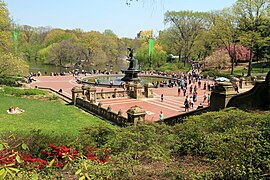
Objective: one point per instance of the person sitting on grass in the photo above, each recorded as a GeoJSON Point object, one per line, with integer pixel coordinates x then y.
{"type": "Point", "coordinates": [13, 110]}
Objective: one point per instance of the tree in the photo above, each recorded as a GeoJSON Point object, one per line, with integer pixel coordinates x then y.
{"type": "Point", "coordinates": [111, 46]}
{"type": "Point", "coordinates": [66, 53]}
{"type": "Point", "coordinates": [5, 40]}
{"type": "Point", "coordinates": [58, 35]}
{"type": "Point", "coordinates": [241, 52]}
{"type": "Point", "coordinates": [158, 58]}
{"type": "Point", "coordinates": [187, 25]}
{"type": "Point", "coordinates": [219, 59]}
{"type": "Point", "coordinates": [92, 41]}
{"type": "Point", "coordinates": [171, 42]}
{"type": "Point", "coordinates": [12, 66]}
{"type": "Point", "coordinates": [224, 29]}
{"type": "Point", "coordinates": [250, 14]}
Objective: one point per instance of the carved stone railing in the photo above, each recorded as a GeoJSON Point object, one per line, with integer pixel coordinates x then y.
{"type": "Point", "coordinates": [180, 118]}
{"type": "Point", "coordinates": [135, 115]}
{"type": "Point", "coordinates": [257, 97]}
{"type": "Point", "coordinates": [111, 94]}
{"type": "Point", "coordinates": [104, 113]}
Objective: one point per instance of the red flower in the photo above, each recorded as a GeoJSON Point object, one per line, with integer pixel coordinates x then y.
{"type": "Point", "coordinates": [65, 149]}
{"type": "Point", "coordinates": [58, 164]}
{"type": "Point", "coordinates": [106, 159]}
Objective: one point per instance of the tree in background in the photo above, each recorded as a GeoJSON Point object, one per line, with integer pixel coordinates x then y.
{"type": "Point", "coordinates": [159, 56]}
{"type": "Point", "coordinates": [219, 59]}
{"type": "Point", "coordinates": [31, 41]}
{"type": "Point", "coordinates": [5, 26]}
{"type": "Point", "coordinates": [111, 47]}
{"type": "Point", "coordinates": [171, 42]}
{"type": "Point", "coordinates": [12, 66]}
{"type": "Point", "coordinates": [251, 15]}
{"type": "Point", "coordinates": [241, 53]}
{"type": "Point", "coordinates": [66, 53]}
{"type": "Point", "coordinates": [225, 29]}
{"type": "Point", "coordinates": [187, 25]}
{"type": "Point", "coordinates": [9, 64]}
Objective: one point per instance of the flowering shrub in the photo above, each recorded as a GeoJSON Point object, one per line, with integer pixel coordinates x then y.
{"type": "Point", "coordinates": [11, 161]}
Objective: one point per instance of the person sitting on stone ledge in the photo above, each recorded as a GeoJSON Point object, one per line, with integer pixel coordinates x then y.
{"type": "Point", "coordinates": [200, 106]}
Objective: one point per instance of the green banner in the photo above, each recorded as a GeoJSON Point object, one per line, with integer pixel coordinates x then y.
{"type": "Point", "coordinates": [15, 35]}
{"type": "Point", "coordinates": [151, 46]}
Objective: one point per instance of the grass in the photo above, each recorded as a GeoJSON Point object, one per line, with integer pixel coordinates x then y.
{"type": "Point", "coordinates": [174, 67]}
{"type": "Point", "coordinates": [51, 117]}
{"type": "Point", "coordinates": [256, 69]}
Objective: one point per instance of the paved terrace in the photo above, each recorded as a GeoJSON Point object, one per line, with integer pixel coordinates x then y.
{"type": "Point", "coordinates": [172, 104]}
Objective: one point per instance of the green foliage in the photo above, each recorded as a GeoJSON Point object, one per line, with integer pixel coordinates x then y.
{"type": "Point", "coordinates": [96, 136]}
{"type": "Point", "coordinates": [174, 67]}
{"type": "Point", "coordinates": [10, 81]}
{"type": "Point", "coordinates": [11, 65]}
{"type": "Point", "coordinates": [6, 90]}
{"type": "Point", "coordinates": [5, 40]}
{"type": "Point", "coordinates": [213, 72]}
{"type": "Point", "coordinates": [158, 56]}
{"type": "Point", "coordinates": [231, 139]}
{"type": "Point", "coordinates": [229, 144]}
{"type": "Point", "coordinates": [51, 117]}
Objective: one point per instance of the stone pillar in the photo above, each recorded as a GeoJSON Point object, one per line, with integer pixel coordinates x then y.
{"type": "Point", "coordinates": [138, 91]}
{"type": "Point", "coordinates": [130, 89]}
{"type": "Point", "coordinates": [221, 95]}
{"type": "Point", "coordinates": [76, 91]}
{"type": "Point", "coordinates": [241, 82]}
{"type": "Point", "coordinates": [114, 93]}
{"type": "Point", "coordinates": [148, 90]}
{"type": "Point", "coordinates": [136, 115]}
{"type": "Point", "coordinates": [92, 93]}
{"type": "Point", "coordinates": [234, 81]}
{"type": "Point", "coordinates": [85, 92]}
{"type": "Point", "coordinates": [253, 80]}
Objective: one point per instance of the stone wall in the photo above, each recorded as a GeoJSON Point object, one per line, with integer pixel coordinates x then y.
{"type": "Point", "coordinates": [257, 97]}
{"type": "Point", "coordinates": [103, 113]}
{"type": "Point", "coordinates": [111, 94]}
{"type": "Point", "coordinates": [180, 118]}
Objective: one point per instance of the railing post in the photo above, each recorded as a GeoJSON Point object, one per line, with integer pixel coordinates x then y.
{"type": "Point", "coordinates": [136, 115]}
{"type": "Point", "coordinates": [221, 95]}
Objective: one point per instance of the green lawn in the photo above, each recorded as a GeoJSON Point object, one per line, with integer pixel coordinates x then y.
{"type": "Point", "coordinates": [256, 69]}
{"type": "Point", "coordinates": [51, 117]}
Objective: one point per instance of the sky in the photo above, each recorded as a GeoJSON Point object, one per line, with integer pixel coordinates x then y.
{"type": "Point", "coordinates": [98, 15]}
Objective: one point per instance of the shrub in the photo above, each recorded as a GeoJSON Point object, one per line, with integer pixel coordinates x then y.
{"type": "Point", "coordinates": [20, 91]}
{"type": "Point", "coordinates": [9, 81]}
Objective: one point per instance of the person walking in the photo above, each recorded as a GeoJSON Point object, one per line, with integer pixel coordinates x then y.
{"type": "Point", "coordinates": [161, 116]}
{"type": "Point", "coordinates": [186, 104]}
{"type": "Point", "coordinates": [161, 97]}
{"type": "Point", "coordinates": [184, 91]}
{"type": "Point", "coordinates": [190, 89]}
{"type": "Point", "coordinates": [204, 97]}
{"type": "Point", "coordinates": [179, 90]}
{"type": "Point", "coordinates": [191, 102]}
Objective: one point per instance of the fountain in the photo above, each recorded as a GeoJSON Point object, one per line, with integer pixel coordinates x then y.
{"type": "Point", "coordinates": [131, 74]}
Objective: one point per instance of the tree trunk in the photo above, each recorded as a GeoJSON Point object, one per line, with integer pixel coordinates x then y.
{"type": "Point", "coordinates": [250, 62]}
{"type": "Point", "coordinates": [185, 61]}
{"type": "Point", "coordinates": [233, 60]}
{"type": "Point", "coordinates": [179, 57]}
